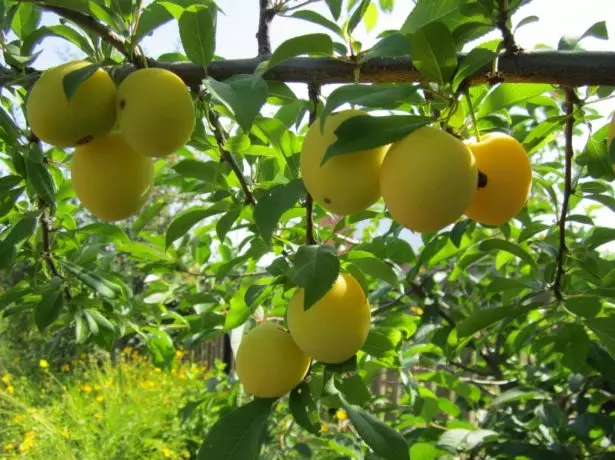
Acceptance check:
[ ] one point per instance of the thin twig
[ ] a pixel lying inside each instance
(266, 15)
(91, 25)
(508, 40)
(300, 5)
(45, 232)
(313, 93)
(220, 136)
(569, 153)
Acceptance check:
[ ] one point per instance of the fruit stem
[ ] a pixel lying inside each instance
(472, 114)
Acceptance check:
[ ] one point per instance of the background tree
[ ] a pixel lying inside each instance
(499, 340)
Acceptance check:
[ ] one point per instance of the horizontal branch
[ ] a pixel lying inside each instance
(570, 68)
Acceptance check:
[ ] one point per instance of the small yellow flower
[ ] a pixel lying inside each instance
(43, 364)
(31, 410)
(65, 434)
(28, 442)
(166, 452)
(185, 454)
(108, 383)
(65, 367)
(324, 427)
(157, 370)
(341, 414)
(10, 389)
(127, 350)
(87, 388)
(100, 398)
(179, 354)
(6, 378)
(17, 418)
(9, 446)
(98, 416)
(416, 310)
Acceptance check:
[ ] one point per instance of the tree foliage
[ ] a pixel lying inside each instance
(501, 339)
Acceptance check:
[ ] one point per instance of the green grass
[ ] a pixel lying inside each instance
(95, 409)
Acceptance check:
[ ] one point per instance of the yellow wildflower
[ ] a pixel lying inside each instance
(87, 388)
(65, 368)
(28, 442)
(98, 416)
(108, 383)
(10, 389)
(179, 354)
(324, 427)
(43, 364)
(157, 370)
(65, 434)
(6, 378)
(416, 310)
(185, 454)
(166, 452)
(341, 414)
(100, 398)
(31, 410)
(17, 418)
(9, 446)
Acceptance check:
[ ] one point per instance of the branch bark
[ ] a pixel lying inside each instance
(567, 68)
(45, 232)
(133, 54)
(569, 153)
(508, 40)
(266, 15)
(313, 93)
(228, 157)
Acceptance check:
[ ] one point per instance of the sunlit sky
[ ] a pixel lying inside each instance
(237, 28)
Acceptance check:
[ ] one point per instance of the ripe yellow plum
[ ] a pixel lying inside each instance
(428, 179)
(110, 179)
(268, 363)
(345, 184)
(90, 112)
(334, 328)
(155, 112)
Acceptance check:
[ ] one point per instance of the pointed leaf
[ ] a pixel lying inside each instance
(496, 244)
(73, 80)
(304, 409)
(271, 206)
(239, 434)
(49, 308)
(197, 31)
(363, 132)
(316, 269)
(185, 221)
(433, 52)
(604, 328)
(317, 18)
(484, 318)
(311, 44)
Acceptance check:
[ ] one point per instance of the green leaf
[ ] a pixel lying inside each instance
(384, 440)
(354, 390)
(185, 221)
(160, 346)
(380, 96)
(73, 80)
(458, 231)
(596, 156)
(474, 61)
(96, 282)
(41, 180)
(60, 31)
(49, 308)
(225, 223)
(207, 171)
(335, 7)
(599, 236)
(517, 395)
(376, 268)
(363, 132)
(506, 95)
(21, 231)
(239, 434)
(243, 95)
(571, 42)
(317, 18)
(152, 17)
(311, 44)
(382, 342)
(271, 206)
(197, 30)
(550, 415)
(357, 15)
(26, 19)
(316, 269)
(393, 45)
(586, 306)
(484, 318)
(81, 328)
(114, 232)
(428, 11)
(433, 52)
(496, 244)
(606, 200)
(303, 408)
(604, 328)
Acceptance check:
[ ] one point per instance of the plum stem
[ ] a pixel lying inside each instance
(472, 114)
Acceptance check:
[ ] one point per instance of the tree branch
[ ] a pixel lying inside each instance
(266, 15)
(299, 6)
(569, 153)
(313, 93)
(45, 232)
(510, 46)
(133, 54)
(567, 68)
(220, 136)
